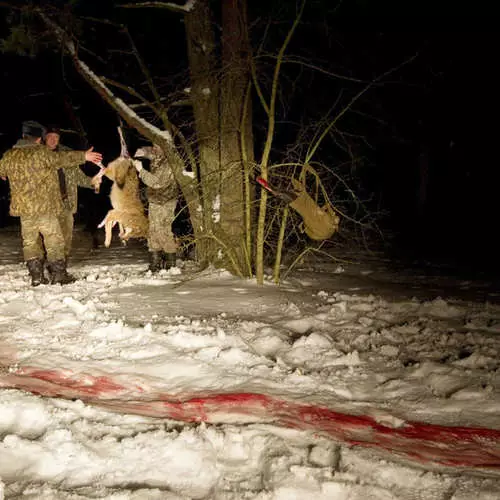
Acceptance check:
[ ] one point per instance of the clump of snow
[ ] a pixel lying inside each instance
(216, 209)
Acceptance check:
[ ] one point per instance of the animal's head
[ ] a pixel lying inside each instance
(119, 169)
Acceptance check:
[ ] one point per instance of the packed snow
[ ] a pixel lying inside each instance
(193, 384)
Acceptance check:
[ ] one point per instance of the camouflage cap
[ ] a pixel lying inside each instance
(144, 152)
(33, 129)
(53, 129)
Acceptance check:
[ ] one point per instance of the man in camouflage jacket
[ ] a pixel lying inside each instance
(162, 193)
(69, 181)
(31, 169)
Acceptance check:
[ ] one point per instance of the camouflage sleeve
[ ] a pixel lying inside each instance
(5, 164)
(81, 179)
(162, 179)
(64, 159)
(149, 179)
(3, 167)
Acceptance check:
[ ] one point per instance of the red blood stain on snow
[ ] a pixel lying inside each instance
(61, 383)
(435, 445)
(94, 386)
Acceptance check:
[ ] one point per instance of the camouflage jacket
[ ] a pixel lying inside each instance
(74, 178)
(32, 172)
(160, 181)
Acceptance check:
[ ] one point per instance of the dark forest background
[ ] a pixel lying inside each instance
(425, 137)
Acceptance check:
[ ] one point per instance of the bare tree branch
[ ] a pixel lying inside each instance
(129, 90)
(175, 131)
(319, 69)
(153, 133)
(158, 105)
(187, 7)
(343, 111)
(107, 22)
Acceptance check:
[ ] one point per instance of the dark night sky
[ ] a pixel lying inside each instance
(457, 107)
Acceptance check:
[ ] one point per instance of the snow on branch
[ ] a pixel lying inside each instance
(153, 133)
(187, 7)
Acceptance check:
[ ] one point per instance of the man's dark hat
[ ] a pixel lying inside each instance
(53, 129)
(33, 129)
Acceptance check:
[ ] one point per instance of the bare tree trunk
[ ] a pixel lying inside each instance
(204, 96)
(236, 130)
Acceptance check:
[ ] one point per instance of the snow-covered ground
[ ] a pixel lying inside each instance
(348, 381)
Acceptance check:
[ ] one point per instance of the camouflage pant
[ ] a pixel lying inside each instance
(160, 235)
(41, 231)
(67, 222)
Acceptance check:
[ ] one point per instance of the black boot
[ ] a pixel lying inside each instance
(58, 273)
(155, 261)
(169, 260)
(35, 268)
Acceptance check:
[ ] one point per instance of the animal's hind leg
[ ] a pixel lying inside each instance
(110, 224)
(106, 222)
(123, 233)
